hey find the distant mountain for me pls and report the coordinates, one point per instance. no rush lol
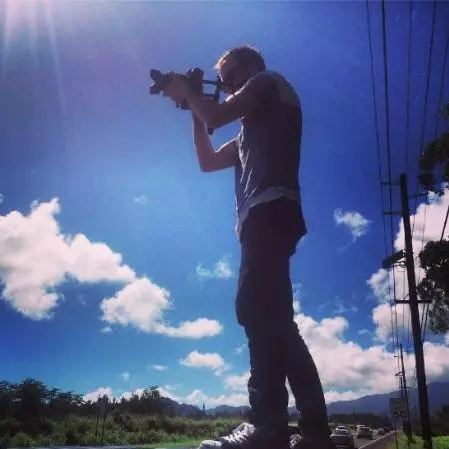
(180, 409)
(227, 409)
(438, 393)
(378, 404)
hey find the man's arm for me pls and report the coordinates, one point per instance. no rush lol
(258, 92)
(208, 159)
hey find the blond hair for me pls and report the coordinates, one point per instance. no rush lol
(244, 55)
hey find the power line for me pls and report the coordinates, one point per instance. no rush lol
(426, 308)
(429, 68)
(407, 140)
(426, 95)
(379, 171)
(387, 125)
(440, 95)
(407, 111)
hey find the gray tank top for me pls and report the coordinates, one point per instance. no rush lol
(268, 146)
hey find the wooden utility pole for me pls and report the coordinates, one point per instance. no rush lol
(414, 314)
(404, 382)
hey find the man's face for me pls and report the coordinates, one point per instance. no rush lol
(233, 75)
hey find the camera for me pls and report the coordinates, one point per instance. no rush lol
(195, 77)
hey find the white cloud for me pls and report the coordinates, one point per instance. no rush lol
(347, 370)
(296, 288)
(335, 396)
(296, 306)
(106, 329)
(167, 393)
(141, 304)
(2, 198)
(142, 199)
(354, 221)
(195, 397)
(429, 219)
(35, 258)
(239, 349)
(125, 376)
(344, 364)
(237, 382)
(200, 328)
(129, 394)
(221, 270)
(364, 332)
(158, 367)
(99, 393)
(212, 361)
(198, 398)
(340, 308)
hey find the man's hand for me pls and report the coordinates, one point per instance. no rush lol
(177, 89)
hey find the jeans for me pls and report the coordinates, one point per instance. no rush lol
(264, 307)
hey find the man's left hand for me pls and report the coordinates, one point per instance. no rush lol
(177, 89)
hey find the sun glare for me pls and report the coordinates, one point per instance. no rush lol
(21, 21)
(20, 17)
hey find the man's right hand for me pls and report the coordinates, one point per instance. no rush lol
(177, 88)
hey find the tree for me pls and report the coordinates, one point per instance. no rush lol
(434, 162)
(7, 396)
(434, 258)
(32, 397)
(440, 423)
(62, 403)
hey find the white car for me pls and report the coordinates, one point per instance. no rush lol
(341, 430)
(364, 432)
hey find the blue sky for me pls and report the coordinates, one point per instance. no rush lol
(118, 257)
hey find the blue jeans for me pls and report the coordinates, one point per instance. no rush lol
(264, 307)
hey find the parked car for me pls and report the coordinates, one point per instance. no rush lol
(364, 432)
(343, 440)
(381, 431)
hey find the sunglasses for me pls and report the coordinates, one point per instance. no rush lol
(228, 81)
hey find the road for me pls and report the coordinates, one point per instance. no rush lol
(362, 442)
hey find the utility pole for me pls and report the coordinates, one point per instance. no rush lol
(404, 383)
(406, 423)
(414, 313)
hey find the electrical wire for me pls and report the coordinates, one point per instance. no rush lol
(388, 135)
(379, 170)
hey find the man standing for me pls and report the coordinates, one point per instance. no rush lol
(265, 155)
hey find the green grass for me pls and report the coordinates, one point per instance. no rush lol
(438, 443)
(441, 442)
(187, 443)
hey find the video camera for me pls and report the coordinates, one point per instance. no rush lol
(195, 77)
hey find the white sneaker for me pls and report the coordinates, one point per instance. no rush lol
(248, 436)
(243, 429)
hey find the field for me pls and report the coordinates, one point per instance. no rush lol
(438, 443)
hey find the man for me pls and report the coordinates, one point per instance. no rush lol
(265, 156)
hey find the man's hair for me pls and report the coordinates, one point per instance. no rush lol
(244, 55)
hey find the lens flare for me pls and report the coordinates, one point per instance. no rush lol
(20, 35)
